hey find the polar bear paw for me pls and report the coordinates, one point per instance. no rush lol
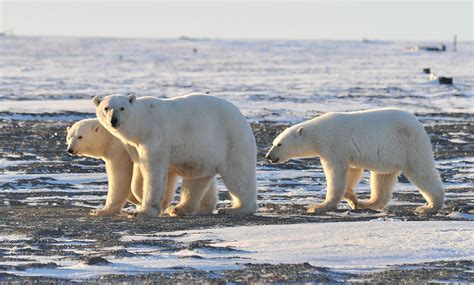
(426, 210)
(175, 211)
(143, 213)
(235, 211)
(319, 209)
(103, 213)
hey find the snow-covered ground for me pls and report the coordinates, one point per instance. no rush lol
(346, 246)
(47, 83)
(271, 80)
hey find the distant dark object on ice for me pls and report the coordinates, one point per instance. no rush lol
(445, 80)
(431, 48)
(441, 79)
(195, 50)
(95, 260)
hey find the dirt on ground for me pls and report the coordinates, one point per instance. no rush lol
(37, 146)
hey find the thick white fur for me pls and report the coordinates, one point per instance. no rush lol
(384, 141)
(193, 136)
(89, 138)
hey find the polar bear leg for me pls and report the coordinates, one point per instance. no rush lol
(192, 190)
(336, 177)
(119, 190)
(137, 184)
(381, 187)
(154, 169)
(241, 182)
(353, 178)
(430, 185)
(209, 200)
(170, 190)
(133, 199)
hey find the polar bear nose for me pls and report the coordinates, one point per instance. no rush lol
(270, 158)
(114, 122)
(267, 156)
(70, 150)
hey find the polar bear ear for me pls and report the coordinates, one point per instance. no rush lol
(132, 98)
(299, 131)
(67, 129)
(96, 100)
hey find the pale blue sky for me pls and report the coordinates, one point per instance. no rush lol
(390, 20)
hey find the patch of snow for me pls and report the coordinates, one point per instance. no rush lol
(345, 246)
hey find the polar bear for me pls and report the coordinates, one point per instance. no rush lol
(89, 138)
(385, 141)
(194, 136)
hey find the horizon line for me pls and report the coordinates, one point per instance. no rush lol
(190, 38)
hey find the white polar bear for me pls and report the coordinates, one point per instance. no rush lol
(89, 138)
(384, 141)
(193, 136)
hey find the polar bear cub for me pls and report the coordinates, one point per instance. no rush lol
(195, 136)
(384, 141)
(89, 138)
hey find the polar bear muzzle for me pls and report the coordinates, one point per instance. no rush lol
(271, 156)
(114, 121)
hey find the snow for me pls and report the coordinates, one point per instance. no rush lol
(54, 79)
(268, 80)
(343, 246)
(348, 245)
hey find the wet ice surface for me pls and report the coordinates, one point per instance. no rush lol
(45, 195)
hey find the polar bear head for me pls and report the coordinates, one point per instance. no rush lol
(289, 144)
(85, 138)
(113, 110)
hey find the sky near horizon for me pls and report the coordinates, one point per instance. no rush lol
(264, 19)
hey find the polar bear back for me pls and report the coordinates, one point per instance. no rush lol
(201, 132)
(381, 139)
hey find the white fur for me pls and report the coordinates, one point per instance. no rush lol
(89, 138)
(193, 136)
(384, 141)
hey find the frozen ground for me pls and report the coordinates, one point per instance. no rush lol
(45, 195)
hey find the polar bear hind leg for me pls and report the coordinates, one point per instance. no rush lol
(192, 190)
(209, 200)
(381, 188)
(241, 182)
(430, 186)
(353, 178)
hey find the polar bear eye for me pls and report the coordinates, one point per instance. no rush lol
(106, 109)
(279, 144)
(121, 109)
(80, 137)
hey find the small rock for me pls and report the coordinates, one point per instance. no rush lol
(95, 260)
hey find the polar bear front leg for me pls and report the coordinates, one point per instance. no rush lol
(137, 184)
(154, 169)
(354, 175)
(336, 177)
(119, 190)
